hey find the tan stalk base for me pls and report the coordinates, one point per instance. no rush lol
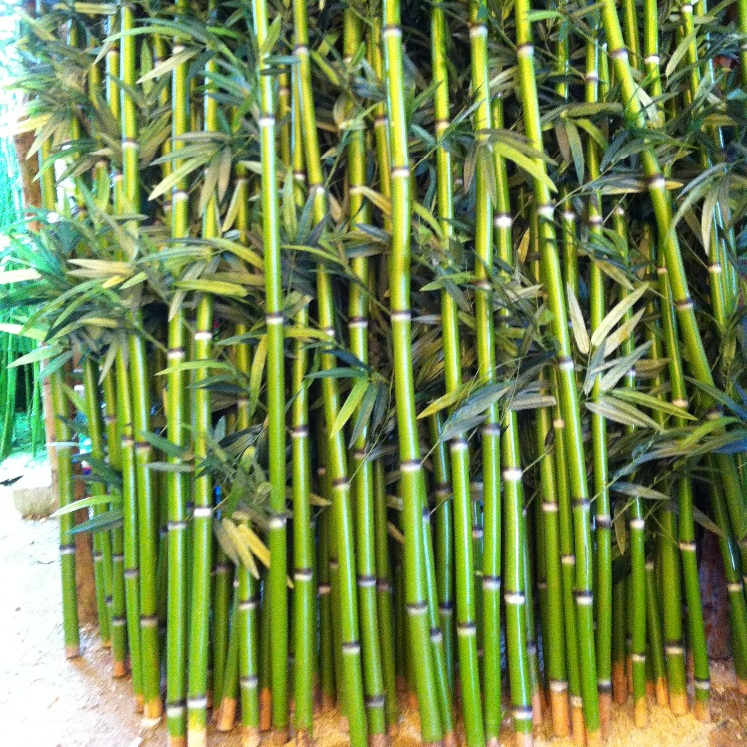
(328, 701)
(392, 731)
(650, 689)
(593, 738)
(344, 724)
(153, 709)
(678, 703)
(741, 686)
(640, 713)
(629, 671)
(72, 652)
(139, 708)
(209, 694)
(561, 715)
(119, 670)
(412, 701)
(177, 741)
(702, 711)
(523, 740)
(578, 727)
(401, 684)
(537, 710)
(619, 683)
(605, 714)
(302, 738)
(662, 693)
(380, 740)
(494, 742)
(227, 714)
(106, 644)
(250, 737)
(265, 709)
(197, 738)
(278, 737)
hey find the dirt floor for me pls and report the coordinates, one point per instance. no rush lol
(47, 701)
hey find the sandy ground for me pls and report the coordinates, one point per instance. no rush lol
(47, 701)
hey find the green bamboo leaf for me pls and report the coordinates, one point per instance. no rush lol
(8, 277)
(620, 368)
(621, 412)
(216, 287)
(444, 401)
(162, 444)
(637, 397)
(90, 502)
(169, 467)
(639, 491)
(577, 149)
(679, 53)
(622, 333)
(169, 65)
(615, 315)
(40, 354)
(535, 168)
(577, 322)
(348, 408)
(99, 523)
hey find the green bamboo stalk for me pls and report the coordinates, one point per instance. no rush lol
(384, 594)
(686, 528)
(491, 442)
(177, 484)
(655, 651)
(118, 620)
(411, 478)
(362, 467)
(352, 674)
(603, 518)
(276, 374)
(568, 395)
(202, 550)
(63, 448)
(102, 547)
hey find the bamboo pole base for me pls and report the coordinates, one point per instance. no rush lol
(594, 738)
(72, 652)
(537, 710)
(197, 738)
(493, 742)
(139, 706)
(578, 726)
(226, 714)
(153, 710)
(741, 686)
(662, 692)
(640, 713)
(379, 740)
(328, 701)
(412, 701)
(119, 670)
(265, 709)
(560, 710)
(523, 740)
(302, 738)
(250, 736)
(177, 741)
(651, 690)
(278, 736)
(344, 724)
(702, 711)
(678, 703)
(619, 683)
(605, 713)
(450, 740)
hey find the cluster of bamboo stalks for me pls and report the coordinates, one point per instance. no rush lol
(400, 363)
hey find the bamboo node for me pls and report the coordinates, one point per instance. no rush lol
(522, 713)
(558, 686)
(503, 220)
(375, 701)
(411, 465)
(176, 526)
(131, 574)
(446, 609)
(303, 574)
(652, 59)
(197, 703)
(276, 317)
(735, 587)
(467, 629)
(277, 521)
(603, 521)
(202, 512)
(637, 524)
(568, 559)
(416, 608)
(249, 682)
(437, 635)
(638, 658)
(701, 684)
(388, 31)
(514, 597)
(621, 53)
(351, 648)
(491, 583)
(67, 549)
(366, 582)
(584, 598)
(525, 50)
(148, 621)
(512, 474)
(674, 649)
(324, 589)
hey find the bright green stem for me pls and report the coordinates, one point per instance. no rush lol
(412, 483)
(275, 373)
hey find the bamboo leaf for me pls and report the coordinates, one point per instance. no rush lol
(577, 322)
(348, 408)
(90, 502)
(99, 523)
(615, 315)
